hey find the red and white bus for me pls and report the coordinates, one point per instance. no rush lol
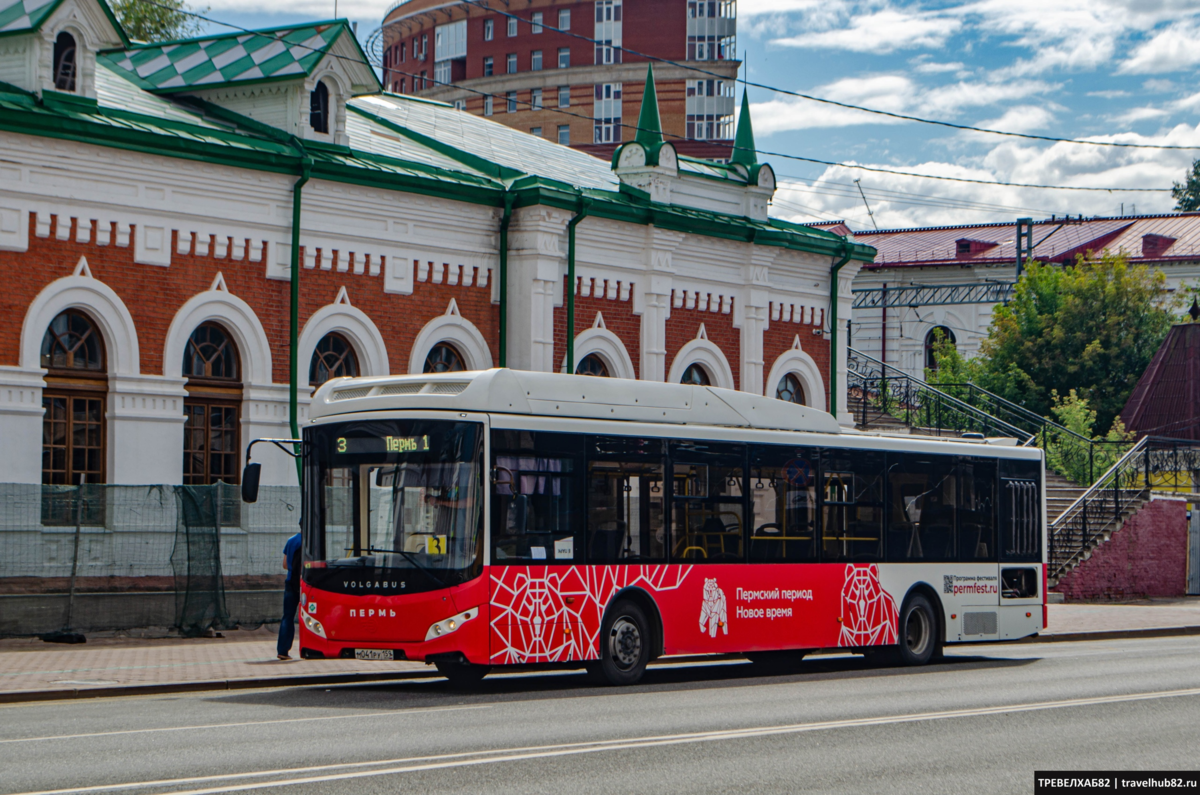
(481, 519)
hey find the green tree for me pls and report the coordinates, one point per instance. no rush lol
(1073, 457)
(1091, 328)
(160, 20)
(1187, 194)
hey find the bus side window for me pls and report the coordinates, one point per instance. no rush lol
(923, 498)
(977, 513)
(708, 503)
(783, 493)
(537, 500)
(1020, 511)
(852, 506)
(626, 497)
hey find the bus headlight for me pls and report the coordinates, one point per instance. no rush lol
(313, 625)
(451, 624)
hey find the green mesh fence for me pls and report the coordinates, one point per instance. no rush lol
(158, 559)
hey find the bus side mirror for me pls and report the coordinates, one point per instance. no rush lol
(250, 476)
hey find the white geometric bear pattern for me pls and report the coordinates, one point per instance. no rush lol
(712, 609)
(554, 615)
(869, 613)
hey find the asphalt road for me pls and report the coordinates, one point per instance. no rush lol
(981, 722)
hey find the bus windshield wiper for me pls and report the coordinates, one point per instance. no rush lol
(408, 556)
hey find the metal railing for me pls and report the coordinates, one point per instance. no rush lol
(1153, 463)
(877, 389)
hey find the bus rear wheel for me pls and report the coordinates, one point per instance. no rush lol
(918, 632)
(624, 646)
(463, 675)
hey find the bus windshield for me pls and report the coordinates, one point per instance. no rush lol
(397, 494)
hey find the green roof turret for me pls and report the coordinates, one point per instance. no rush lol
(649, 132)
(744, 153)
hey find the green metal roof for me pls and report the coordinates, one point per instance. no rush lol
(490, 141)
(395, 143)
(23, 16)
(19, 15)
(231, 58)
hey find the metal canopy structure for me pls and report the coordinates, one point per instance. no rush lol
(915, 295)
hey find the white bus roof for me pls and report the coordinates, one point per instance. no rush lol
(505, 391)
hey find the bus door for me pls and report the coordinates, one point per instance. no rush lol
(1020, 548)
(974, 584)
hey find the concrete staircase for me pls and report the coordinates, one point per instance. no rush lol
(1060, 494)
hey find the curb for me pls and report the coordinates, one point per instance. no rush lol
(65, 694)
(19, 696)
(1113, 634)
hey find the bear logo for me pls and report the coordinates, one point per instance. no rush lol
(712, 610)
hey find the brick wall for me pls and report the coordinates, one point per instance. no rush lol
(781, 335)
(1146, 557)
(618, 318)
(154, 294)
(684, 323)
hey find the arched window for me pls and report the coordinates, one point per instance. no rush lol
(592, 365)
(73, 434)
(791, 390)
(318, 108)
(72, 343)
(64, 62)
(695, 375)
(930, 339)
(333, 358)
(210, 355)
(444, 358)
(212, 408)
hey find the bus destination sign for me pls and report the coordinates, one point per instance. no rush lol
(381, 444)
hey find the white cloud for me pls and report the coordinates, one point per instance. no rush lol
(930, 68)
(1134, 115)
(881, 32)
(895, 93)
(1170, 50)
(750, 8)
(1114, 94)
(1023, 118)
(369, 11)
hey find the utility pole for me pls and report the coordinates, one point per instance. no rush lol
(864, 198)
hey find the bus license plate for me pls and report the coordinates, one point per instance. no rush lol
(374, 654)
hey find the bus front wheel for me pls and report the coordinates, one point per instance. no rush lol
(624, 646)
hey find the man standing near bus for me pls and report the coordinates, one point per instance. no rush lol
(291, 598)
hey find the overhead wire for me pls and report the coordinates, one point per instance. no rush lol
(591, 120)
(905, 117)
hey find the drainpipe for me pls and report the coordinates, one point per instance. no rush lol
(509, 199)
(585, 204)
(294, 313)
(833, 327)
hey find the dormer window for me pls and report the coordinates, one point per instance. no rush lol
(64, 62)
(318, 108)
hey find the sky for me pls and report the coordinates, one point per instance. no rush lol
(1099, 70)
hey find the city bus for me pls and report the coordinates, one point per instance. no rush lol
(477, 520)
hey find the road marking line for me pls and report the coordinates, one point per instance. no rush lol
(472, 758)
(243, 723)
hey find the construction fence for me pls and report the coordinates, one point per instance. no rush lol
(151, 559)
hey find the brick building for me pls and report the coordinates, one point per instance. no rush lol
(159, 200)
(556, 68)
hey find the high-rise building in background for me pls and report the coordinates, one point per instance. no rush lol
(556, 68)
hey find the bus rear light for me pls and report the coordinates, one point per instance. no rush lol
(450, 624)
(313, 625)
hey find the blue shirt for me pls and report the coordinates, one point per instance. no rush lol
(289, 550)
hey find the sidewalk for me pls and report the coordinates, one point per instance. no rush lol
(33, 670)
